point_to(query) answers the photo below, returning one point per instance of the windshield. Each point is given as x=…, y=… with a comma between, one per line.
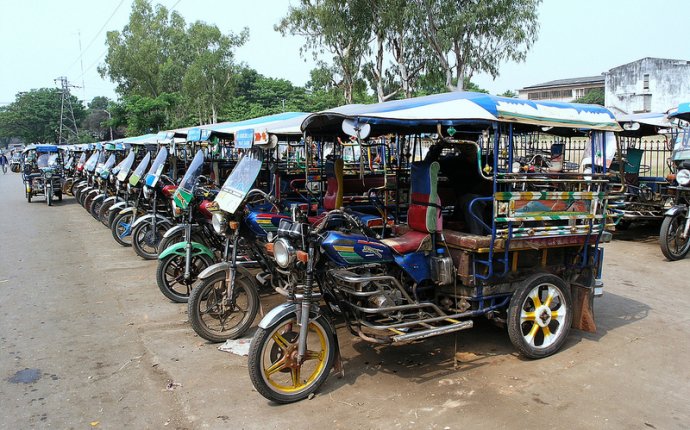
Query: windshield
x=141, y=167
x=681, y=147
x=47, y=160
x=82, y=160
x=157, y=167
x=105, y=169
x=239, y=182
x=184, y=192
x=91, y=163
x=125, y=165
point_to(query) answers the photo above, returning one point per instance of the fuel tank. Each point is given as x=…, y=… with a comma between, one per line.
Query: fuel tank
x=348, y=249
x=262, y=223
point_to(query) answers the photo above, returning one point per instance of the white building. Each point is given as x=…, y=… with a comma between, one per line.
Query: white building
x=648, y=85
x=562, y=90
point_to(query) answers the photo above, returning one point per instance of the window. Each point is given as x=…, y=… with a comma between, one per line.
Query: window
x=645, y=81
x=647, y=101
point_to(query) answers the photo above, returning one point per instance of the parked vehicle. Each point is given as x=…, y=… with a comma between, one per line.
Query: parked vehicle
x=180, y=263
x=43, y=172
x=148, y=230
x=528, y=259
x=674, y=236
x=123, y=214
x=16, y=163
x=112, y=188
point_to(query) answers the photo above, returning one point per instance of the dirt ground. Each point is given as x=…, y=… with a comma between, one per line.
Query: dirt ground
x=88, y=341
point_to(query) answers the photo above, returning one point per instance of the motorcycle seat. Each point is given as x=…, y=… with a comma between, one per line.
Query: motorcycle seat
x=412, y=241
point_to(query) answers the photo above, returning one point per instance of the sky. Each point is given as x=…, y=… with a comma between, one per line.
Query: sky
x=40, y=40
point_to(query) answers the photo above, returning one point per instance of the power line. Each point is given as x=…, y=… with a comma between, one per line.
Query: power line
x=99, y=33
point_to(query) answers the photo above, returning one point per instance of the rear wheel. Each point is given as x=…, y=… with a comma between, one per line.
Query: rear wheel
x=170, y=276
x=274, y=369
x=213, y=316
x=673, y=245
x=145, y=239
x=122, y=228
x=540, y=316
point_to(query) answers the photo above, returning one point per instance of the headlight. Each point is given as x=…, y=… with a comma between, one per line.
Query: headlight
x=283, y=252
x=219, y=222
x=49, y=175
x=147, y=192
x=683, y=177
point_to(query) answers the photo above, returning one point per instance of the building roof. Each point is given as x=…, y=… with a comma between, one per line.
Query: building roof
x=654, y=59
x=599, y=79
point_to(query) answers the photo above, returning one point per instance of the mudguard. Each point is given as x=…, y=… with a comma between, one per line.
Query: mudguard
x=98, y=197
x=148, y=217
x=224, y=266
x=117, y=206
x=678, y=209
x=127, y=210
x=281, y=311
x=173, y=230
x=112, y=198
x=93, y=192
x=179, y=249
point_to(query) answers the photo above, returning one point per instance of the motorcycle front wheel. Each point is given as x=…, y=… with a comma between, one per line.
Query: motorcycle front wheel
x=95, y=208
x=145, y=239
x=213, y=316
x=274, y=369
x=673, y=246
x=170, y=276
x=104, y=212
x=122, y=228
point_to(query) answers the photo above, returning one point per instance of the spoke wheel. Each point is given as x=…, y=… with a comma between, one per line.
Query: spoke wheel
x=145, y=239
x=170, y=276
x=274, y=368
x=217, y=319
x=95, y=208
x=122, y=229
x=673, y=245
x=540, y=316
x=104, y=212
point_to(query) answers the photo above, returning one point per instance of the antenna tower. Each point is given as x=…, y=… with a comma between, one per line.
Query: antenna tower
x=68, y=125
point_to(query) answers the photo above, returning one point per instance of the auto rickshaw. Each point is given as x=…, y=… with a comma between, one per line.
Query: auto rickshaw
x=43, y=172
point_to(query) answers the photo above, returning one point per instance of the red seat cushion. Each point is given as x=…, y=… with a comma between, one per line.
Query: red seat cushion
x=409, y=242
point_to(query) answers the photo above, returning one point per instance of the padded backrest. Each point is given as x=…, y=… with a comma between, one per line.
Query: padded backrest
x=424, y=213
x=333, y=198
x=633, y=158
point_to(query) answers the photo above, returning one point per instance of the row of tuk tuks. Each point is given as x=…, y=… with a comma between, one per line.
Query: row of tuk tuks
x=402, y=220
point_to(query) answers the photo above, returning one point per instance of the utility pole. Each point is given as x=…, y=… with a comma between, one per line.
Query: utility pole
x=68, y=125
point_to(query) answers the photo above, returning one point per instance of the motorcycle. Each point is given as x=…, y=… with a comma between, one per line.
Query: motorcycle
x=113, y=189
x=180, y=262
x=148, y=230
x=123, y=214
x=674, y=236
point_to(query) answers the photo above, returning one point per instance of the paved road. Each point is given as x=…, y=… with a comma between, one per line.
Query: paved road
x=88, y=341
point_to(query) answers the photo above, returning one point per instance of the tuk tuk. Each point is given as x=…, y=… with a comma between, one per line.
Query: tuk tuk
x=674, y=236
x=43, y=172
x=519, y=246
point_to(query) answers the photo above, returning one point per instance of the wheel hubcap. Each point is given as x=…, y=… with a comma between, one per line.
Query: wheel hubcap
x=542, y=316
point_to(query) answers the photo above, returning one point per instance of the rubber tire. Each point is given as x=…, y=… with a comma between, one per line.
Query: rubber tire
x=28, y=197
x=623, y=225
x=104, y=211
x=255, y=366
x=162, y=284
x=82, y=197
x=59, y=196
x=113, y=229
x=663, y=242
x=243, y=280
x=112, y=215
x=161, y=229
x=88, y=201
x=516, y=302
x=95, y=208
x=49, y=195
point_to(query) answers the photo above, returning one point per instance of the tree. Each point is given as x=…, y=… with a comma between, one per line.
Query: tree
x=34, y=116
x=149, y=56
x=342, y=27
x=508, y=93
x=595, y=96
x=97, y=119
x=472, y=36
x=209, y=78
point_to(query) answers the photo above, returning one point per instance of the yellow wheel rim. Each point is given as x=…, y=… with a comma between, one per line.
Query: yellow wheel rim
x=283, y=372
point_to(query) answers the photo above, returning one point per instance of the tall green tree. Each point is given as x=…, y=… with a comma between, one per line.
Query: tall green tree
x=34, y=116
x=208, y=81
x=341, y=27
x=473, y=36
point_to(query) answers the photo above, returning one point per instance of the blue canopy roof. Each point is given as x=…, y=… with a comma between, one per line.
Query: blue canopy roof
x=467, y=107
x=282, y=123
x=42, y=148
x=681, y=112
